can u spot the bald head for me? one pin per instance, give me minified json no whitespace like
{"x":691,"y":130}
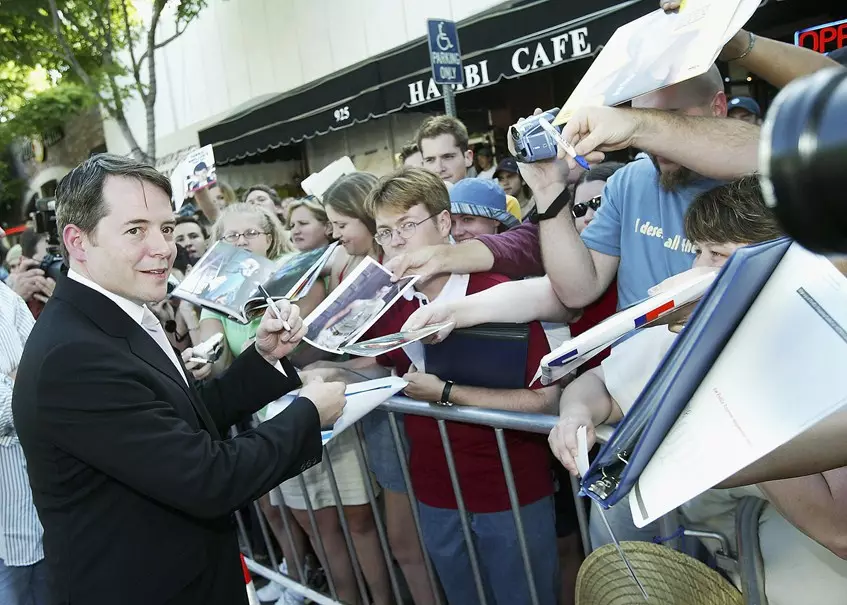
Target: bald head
{"x":703,"y":95}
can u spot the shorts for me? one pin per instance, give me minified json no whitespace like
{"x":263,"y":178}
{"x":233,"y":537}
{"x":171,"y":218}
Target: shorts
{"x":349,"y":476}
{"x":383,"y":458}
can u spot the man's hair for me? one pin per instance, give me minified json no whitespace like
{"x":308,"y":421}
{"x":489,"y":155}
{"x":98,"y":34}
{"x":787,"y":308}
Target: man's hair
{"x":732,"y":213}
{"x":190,"y":220}
{"x":408,"y":150}
{"x":200,"y":166}
{"x":30,"y":239}
{"x":79,"y":196}
{"x":437,"y":125}
{"x":703,"y":88}
{"x":264,"y":188}
{"x":599,"y":172}
{"x":407,"y":187}
{"x":347,"y":196}
{"x":268,"y":222}
{"x":312,"y":205}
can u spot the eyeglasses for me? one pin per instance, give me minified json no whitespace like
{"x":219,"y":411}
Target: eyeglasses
{"x":405,"y":231}
{"x":248,"y":235}
{"x":581,"y":209}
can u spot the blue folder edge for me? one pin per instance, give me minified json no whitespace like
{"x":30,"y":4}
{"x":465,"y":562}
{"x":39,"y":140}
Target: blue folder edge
{"x":685,"y":365}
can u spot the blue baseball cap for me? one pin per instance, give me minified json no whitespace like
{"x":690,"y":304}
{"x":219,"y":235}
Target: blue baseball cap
{"x":481,"y":197}
{"x":747,"y":104}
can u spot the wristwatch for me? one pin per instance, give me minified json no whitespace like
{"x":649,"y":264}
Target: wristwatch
{"x":555,"y":208}
{"x":445,"y":394}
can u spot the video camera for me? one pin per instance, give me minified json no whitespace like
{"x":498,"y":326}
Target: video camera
{"x":45,"y":223}
{"x":802,"y":160}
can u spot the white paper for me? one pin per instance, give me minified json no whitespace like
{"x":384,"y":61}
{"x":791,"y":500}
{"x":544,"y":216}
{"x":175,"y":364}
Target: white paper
{"x":582,"y":451}
{"x":362,"y":398}
{"x":781,"y":372}
{"x":658,"y":50}
{"x":318,"y":183}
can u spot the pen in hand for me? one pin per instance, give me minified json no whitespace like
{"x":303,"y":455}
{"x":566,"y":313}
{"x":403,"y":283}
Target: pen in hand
{"x":565,"y":144}
{"x":274,"y":309}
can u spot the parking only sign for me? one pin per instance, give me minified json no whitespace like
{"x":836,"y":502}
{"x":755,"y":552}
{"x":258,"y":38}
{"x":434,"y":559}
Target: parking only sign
{"x":444,"y":54}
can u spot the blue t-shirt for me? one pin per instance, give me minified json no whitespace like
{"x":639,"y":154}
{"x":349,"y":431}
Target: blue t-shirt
{"x":642,"y":224}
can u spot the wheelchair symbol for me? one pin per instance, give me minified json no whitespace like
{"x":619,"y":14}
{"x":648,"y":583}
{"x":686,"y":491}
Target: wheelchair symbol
{"x":442,"y":40}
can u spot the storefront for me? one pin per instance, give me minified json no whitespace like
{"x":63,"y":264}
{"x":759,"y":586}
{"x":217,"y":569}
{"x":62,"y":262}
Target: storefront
{"x":531,"y":53}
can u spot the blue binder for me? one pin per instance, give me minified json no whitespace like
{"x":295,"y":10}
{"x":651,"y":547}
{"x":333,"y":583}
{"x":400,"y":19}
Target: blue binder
{"x":490,"y":355}
{"x":621,"y":461}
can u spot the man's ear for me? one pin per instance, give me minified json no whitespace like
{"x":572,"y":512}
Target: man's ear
{"x":468,"y":158}
{"x":76,"y":243}
{"x":719,"y":105}
{"x":444,"y":223}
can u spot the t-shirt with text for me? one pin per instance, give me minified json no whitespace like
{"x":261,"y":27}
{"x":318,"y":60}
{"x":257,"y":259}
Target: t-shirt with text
{"x":642,"y":223}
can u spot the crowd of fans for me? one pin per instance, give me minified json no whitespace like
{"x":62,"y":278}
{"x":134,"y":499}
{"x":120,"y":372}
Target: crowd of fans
{"x":492,"y":250}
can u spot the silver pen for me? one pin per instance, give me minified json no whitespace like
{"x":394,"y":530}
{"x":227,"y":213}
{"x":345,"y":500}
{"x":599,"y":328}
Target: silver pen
{"x":274,"y":309}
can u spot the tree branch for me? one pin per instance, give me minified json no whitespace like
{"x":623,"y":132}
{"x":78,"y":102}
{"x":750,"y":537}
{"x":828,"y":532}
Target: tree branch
{"x":70,"y":57}
{"x":136,"y":65}
{"x":164,"y":42}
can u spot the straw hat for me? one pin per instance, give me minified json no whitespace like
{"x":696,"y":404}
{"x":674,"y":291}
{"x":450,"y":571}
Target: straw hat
{"x":668,"y":576}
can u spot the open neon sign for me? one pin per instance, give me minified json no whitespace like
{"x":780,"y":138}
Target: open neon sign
{"x":823,"y":38}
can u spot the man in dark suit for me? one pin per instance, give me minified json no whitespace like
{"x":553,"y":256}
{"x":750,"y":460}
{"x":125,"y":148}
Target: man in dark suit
{"x":131,"y":475}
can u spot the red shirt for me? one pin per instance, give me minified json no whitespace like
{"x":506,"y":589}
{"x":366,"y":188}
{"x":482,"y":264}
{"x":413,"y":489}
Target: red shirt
{"x":474,"y":447}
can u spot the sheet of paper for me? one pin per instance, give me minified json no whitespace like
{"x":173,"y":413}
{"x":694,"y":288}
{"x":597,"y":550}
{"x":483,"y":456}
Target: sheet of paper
{"x":655,"y":51}
{"x":582,"y":450}
{"x":781,"y":372}
{"x":362,"y":398}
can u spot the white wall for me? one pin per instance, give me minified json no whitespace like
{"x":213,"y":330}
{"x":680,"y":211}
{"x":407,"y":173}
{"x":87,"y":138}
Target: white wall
{"x":238,"y":50}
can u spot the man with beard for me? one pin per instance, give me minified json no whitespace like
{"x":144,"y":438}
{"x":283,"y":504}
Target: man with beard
{"x":638,"y":230}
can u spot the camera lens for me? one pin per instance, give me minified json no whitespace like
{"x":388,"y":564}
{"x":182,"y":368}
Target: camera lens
{"x":801,"y":160}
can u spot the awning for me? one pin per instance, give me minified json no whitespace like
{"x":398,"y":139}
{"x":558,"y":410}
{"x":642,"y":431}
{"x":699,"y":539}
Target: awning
{"x":508,"y":43}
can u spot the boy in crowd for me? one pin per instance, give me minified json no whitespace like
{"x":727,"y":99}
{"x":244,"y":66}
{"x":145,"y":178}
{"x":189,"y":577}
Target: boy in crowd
{"x":417,"y":197}
{"x":478,"y":207}
{"x":443,"y":142}
{"x":797,"y":568}
{"x":191,"y":235}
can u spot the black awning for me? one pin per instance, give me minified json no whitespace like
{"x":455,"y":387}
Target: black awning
{"x":505,"y":44}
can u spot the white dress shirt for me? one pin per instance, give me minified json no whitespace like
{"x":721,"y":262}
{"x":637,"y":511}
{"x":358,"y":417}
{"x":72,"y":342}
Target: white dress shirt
{"x":140,"y":314}
{"x":20,"y":530}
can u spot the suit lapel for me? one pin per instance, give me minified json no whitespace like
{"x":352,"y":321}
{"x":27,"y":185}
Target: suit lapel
{"x":114,"y":321}
{"x":147,"y":349}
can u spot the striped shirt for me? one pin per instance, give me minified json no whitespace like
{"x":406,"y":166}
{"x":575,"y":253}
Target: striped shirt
{"x":20,"y":530}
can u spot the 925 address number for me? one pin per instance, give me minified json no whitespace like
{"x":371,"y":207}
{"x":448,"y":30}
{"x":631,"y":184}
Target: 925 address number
{"x":342,"y":113}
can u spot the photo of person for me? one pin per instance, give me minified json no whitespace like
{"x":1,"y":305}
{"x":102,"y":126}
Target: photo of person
{"x":202,"y":176}
{"x":236,"y":285}
{"x":354,"y":306}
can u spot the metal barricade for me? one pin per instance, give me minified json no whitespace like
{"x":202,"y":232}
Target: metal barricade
{"x":498,"y":420}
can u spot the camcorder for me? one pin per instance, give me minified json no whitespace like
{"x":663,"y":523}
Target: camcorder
{"x":45,"y":223}
{"x":532,"y":143}
{"x":803,"y":160}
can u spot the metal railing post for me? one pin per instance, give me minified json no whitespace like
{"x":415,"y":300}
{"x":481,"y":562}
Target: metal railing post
{"x":463,"y":513}
{"x":407,"y":479}
{"x":380,"y":527}
{"x":313,"y":522}
{"x":516,"y":512}
{"x":345,"y":528}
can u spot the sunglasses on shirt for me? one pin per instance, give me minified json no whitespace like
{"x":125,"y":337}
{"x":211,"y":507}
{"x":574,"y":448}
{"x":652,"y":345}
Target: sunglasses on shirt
{"x":581,"y":209}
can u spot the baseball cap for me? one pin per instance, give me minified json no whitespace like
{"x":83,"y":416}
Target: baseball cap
{"x":839,"y":55}
{"x":746,"y":103}
{"x":507,"y":165}
{"x":513,"y":206}
{"x":481,"y":197}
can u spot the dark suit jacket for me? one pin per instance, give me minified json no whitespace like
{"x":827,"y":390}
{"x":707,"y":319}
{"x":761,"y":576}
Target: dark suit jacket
{"x":133,"y":483}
